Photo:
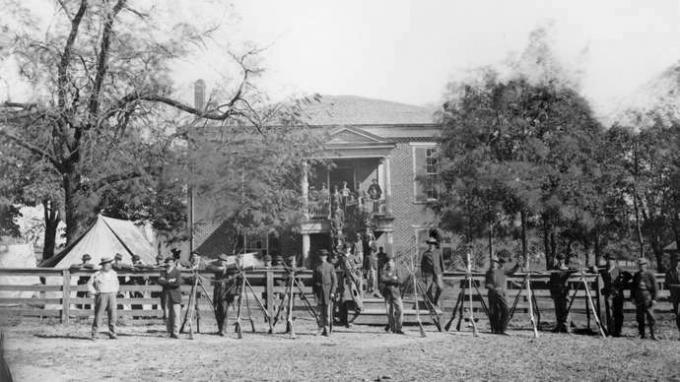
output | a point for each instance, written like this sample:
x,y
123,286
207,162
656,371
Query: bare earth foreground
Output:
x,y
44,352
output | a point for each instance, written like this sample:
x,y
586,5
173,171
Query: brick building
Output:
x,y
368,139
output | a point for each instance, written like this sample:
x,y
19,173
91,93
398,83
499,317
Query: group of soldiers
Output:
x,y
643,293
338,285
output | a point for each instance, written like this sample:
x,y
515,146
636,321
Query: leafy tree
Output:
x,y
104,111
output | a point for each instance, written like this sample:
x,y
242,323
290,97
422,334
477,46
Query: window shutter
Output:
x,y
420,155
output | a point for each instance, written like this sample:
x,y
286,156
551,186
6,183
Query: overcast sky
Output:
x,y
407,51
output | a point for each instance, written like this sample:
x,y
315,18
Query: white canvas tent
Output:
x,y
105,238
17,256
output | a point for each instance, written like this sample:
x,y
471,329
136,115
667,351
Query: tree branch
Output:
x,y
102,59
66,55
32,148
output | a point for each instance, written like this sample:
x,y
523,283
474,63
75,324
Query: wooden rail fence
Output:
x,y
57,293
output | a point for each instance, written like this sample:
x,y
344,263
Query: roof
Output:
x,y
105,238
354,110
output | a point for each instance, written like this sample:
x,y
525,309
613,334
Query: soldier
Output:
x,y
137,266
643,293
559,292
104,287
171,280
227,288
120,267
324,281
359,257
615,282
496,283
673,285
82,280
389,278
350,286
432,269
159,266
372,266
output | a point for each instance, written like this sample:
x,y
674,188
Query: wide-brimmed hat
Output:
x,y
86,257
497,259
323,252
105,260
169,260
431,240
119,256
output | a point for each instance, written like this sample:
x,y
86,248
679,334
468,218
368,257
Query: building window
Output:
x,y
425,168
430,173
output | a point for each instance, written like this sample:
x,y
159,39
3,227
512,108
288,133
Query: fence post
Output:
x,y
269,290
66,296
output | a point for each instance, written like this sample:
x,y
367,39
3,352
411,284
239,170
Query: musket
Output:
x,y
415,294
468,272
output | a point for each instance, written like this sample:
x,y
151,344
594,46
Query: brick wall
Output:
x,y
407,213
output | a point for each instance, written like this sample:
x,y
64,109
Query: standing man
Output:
x,y
432,270
324,282
159,266
496,283
350,286
83,280
359,258
673,285
227,288
389,277
170,280
104,286
643,292
559,292
372,265
615,282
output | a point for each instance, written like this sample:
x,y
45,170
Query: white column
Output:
x,y
388,187
305,249
304,183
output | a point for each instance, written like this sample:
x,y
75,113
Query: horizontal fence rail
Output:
x,y
62,293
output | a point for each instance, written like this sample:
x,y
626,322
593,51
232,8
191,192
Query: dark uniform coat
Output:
x,y
643,288
324,281
171,282
432,262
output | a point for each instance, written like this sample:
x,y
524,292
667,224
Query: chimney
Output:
x,y
199,95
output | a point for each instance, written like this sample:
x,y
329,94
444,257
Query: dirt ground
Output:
x,y
39,351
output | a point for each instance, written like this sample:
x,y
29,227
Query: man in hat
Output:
x,y
614,282
137,266
643,293
559,292
227,288
496,282
159,266
673,285
389,278
324,283
171,280
349,286
85,265
119,267
432,270
104,286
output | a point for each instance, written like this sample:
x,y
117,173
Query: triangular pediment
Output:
x,y
353,135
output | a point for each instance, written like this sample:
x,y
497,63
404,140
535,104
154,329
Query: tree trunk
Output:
x,y
490,243
70,184
523,217
549,260
52,219
598,248
638,228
